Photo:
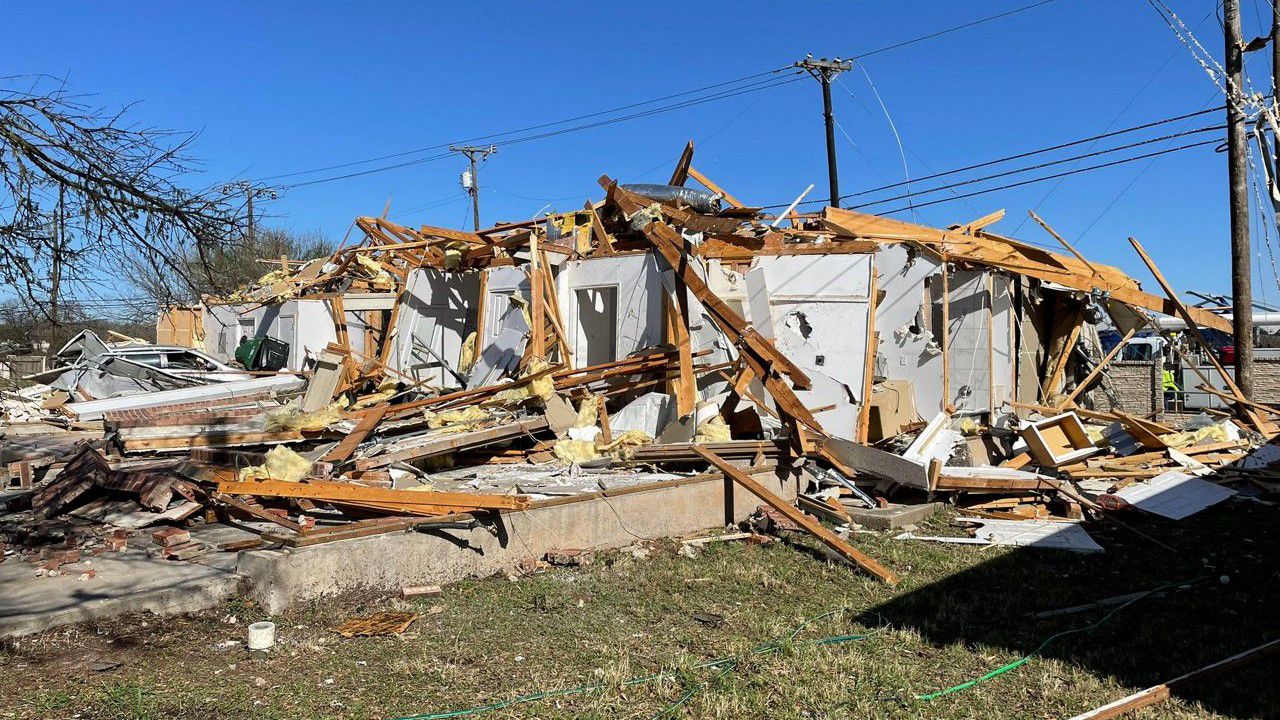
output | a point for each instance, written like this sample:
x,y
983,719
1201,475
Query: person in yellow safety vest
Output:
x,y
1172,393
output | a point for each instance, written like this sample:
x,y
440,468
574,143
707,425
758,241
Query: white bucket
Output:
x,y
262,635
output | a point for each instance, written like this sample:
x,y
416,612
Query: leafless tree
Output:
x,y
232,265
86,193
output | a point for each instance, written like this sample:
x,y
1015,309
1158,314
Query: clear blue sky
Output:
x,y
276,87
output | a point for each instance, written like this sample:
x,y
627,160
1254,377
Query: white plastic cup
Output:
x,y
262,636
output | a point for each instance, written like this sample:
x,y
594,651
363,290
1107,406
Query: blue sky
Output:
x,y
280,87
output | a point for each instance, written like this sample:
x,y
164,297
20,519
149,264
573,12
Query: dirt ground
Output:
x,y
635,635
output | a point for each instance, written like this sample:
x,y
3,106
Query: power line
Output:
x,y
492,136
768,85
949,30
1020,170
629,106
1040,166
1040,151
1075,171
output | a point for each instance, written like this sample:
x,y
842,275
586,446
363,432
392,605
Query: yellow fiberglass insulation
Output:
x,y
281,464
380,277
541,387
467,357
467,418
291,417
712,431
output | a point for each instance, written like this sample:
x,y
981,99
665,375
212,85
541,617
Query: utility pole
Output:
x,y
250,191
471,178
823,70
55,276
1275,75
1238,198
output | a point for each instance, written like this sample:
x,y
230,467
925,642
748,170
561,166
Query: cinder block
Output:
x,y
893,516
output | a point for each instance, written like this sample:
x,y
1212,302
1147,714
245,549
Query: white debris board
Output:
x,y
1024,533
1174,495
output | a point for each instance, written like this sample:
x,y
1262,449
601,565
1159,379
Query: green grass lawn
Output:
x,y
960,612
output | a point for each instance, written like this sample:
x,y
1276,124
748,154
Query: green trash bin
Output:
x,y
247,353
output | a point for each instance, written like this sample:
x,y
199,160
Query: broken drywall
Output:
x,y
436,316
611,307
816,310
305,325
907,349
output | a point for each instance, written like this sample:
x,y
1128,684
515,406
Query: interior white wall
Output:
x,y
438,311
981,340
816,309
222,329
907,349
305,325
638,281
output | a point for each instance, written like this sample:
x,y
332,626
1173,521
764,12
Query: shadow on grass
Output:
x,y
1146,643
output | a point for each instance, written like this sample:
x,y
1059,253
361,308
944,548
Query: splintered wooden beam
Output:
x,y
604,240
869,362
256,511
1097,370
537,314
1159,693
1259,422
1040,221
1074,323
681,174
368,421
676,313
762,356
708,184
996,251
360,494
671,246
813,527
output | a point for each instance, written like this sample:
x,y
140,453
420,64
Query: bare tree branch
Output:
x,y
84,196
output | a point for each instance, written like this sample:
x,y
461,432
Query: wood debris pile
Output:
x,y
660,332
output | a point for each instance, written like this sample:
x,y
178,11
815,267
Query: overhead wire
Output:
x,y
1128,186
947,31
768,85
1041,151
504,133
1025,154
1066,173
906,171
1132,99
1039,166
728,91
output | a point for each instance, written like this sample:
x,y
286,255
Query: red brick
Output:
x,y
62,557
168,537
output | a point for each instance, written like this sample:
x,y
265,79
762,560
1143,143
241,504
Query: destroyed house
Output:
x,y
873,325
516,381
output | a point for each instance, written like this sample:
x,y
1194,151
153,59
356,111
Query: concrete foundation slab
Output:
x,y
124,582
389,562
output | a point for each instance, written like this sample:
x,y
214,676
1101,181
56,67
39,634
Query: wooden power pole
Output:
x,y
250,191
1275,75
824,71
471,179
1238,199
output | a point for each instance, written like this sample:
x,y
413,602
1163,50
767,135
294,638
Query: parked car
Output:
x,y
180,361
